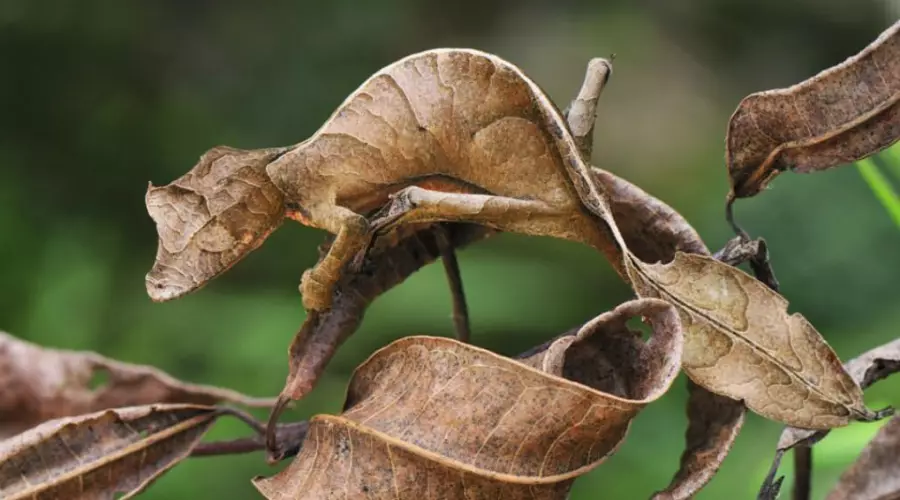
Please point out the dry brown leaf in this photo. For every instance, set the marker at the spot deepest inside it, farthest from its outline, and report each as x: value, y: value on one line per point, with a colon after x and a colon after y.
x: 741, y: 342
x: 101, y: 455
x: 211, y: 217
x: 876, y: 473
x: 841, y: 115
x: 428, y: 415
x: 42, y: 384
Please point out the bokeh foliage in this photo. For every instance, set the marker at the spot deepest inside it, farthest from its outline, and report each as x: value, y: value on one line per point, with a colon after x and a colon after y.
x: 99, y: 97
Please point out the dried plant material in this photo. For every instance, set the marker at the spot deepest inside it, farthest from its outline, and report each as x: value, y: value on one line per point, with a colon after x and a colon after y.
x: 841, y: 115
x: 211, y: 217
x: 101, y: 455
x: 428, y: 415
x: 876, y: 473
x: 741, y: 342
x: 42, y: 384
x: 455, y: 114
x: 713, y: 424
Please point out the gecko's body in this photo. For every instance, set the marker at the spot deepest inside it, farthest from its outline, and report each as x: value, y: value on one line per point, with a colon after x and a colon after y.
x: 454, y: 128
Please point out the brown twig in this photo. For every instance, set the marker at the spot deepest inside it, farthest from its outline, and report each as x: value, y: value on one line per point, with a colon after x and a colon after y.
x: 290, y: 439
x: 802, y: 472
x: 454, y: 278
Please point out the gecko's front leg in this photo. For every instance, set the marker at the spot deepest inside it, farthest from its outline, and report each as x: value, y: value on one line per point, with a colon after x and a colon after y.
x: 352, y: 235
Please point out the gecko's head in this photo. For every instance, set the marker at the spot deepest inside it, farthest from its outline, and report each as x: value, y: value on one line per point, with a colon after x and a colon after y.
x: 211, y: 218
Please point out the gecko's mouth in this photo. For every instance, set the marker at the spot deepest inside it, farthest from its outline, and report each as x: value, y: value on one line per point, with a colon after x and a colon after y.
x: 166, y: 283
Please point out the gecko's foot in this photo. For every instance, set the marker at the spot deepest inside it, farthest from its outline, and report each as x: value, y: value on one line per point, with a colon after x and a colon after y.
x: 316, y: 295
x: 390, y: 215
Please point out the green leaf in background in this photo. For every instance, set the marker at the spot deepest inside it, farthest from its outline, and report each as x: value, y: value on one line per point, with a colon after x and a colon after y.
x: 880, y: 185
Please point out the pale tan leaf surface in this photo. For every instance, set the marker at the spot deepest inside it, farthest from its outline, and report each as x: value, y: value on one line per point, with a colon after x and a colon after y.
x: 40, y: 384
x: 101, y: 455
x: 211, y: 217
x: 841, y: 115
x: 876, y: 473
x: 741, y: 342
x: 428, y: 415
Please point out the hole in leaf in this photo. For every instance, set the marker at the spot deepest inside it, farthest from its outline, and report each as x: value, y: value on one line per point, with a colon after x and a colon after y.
x: 636, y: 324
x: 99, y: 379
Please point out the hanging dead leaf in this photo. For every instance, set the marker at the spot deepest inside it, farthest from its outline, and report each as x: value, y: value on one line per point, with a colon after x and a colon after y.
x: 211, y: 217
x: 876, y: 473
x: 714, y: 422
x: 42, y: 384
x: 101, y: 455
x: 742, y: 343
x: 841, y: 115
x: 426, y: 415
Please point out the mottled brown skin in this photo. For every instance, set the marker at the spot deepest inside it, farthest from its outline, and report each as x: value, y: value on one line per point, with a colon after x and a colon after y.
x: 446, y: 113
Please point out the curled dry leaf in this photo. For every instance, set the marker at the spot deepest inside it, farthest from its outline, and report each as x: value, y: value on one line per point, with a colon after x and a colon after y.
x: 841, y: 115
x: 101, y: 455
x: 876, y: 473
x: 42, y: 384
x: 431, y: 416
x: 211, y: 217
x: 741, y: 342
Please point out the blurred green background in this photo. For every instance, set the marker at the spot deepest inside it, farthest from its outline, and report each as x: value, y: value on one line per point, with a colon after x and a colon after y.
x: 99, y: 97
